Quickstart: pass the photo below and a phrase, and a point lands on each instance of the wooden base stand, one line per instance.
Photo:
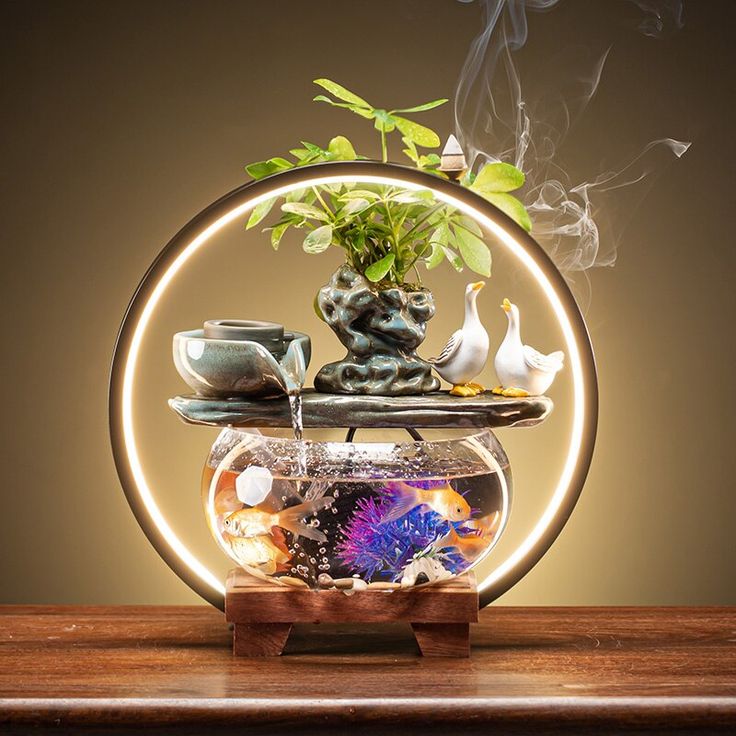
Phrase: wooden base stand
(263, 613)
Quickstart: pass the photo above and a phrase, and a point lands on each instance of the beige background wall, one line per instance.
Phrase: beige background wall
(120, 120)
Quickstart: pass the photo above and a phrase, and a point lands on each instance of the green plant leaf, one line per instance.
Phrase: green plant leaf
(260, 169)
(474, 251)
(357, 242)
(299, 153)
(277, 232)
(440, 234)
(422, 108)
(453, 258)
(410, 196)
(508, 204)
(304, 210)
(376, 271)
(329, 101)
(318, 240)
(431, 159)
(384, 121)
(419, 134)
(296, 195)
(410, 150)
(422, 249)
(332, 189)
(361, 194)
(354, 206)
(498, 177)
(259, 212)
(313, 148)
(438, 239)
(405, 197)
(469, 224)
(362, 111)
(341, 148)
(435, 257)
(341, 92)
(282, 163)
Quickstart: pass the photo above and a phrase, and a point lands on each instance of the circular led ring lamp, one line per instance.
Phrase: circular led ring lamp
(198, 232)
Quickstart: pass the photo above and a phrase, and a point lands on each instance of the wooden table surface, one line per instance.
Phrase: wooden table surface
(532, 670)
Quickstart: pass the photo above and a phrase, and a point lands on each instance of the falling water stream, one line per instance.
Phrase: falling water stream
(295, 404)
(297, 423)
(294, 368)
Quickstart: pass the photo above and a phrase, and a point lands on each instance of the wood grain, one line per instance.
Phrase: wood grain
(531, 670)
(248, 599)
(442, 640)
(440, 614)
(260, 640)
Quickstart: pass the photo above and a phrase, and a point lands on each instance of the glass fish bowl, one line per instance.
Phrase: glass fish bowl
(356, 515)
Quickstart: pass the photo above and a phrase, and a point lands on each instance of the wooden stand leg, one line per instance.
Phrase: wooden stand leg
(440, 615)
(260, 640)
(443, 640)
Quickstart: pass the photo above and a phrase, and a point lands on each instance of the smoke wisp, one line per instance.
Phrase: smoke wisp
(499, 118)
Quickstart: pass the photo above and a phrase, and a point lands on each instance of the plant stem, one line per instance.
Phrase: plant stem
(422, 220)
(395, 239)
(417, 256)
(322, 202)
(384, 153)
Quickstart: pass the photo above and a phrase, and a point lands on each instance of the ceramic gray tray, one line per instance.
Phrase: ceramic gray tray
(328, 411)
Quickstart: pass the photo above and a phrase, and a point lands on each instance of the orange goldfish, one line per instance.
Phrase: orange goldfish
(486, 526)
(227, 501)
(255, 522)
(445, 501)
(471, 546)
(258, 552)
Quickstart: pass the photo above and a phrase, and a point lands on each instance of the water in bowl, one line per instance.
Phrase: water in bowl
(351, 532)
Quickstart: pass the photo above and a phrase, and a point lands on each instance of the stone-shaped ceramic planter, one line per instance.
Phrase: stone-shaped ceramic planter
(381, 329)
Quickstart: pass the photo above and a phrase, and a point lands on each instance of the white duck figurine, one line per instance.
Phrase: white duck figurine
(522, 370)
(466, 352)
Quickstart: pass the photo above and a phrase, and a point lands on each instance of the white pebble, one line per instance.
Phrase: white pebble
(253, 485)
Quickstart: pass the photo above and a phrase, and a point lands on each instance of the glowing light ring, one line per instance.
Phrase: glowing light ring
(197, 232)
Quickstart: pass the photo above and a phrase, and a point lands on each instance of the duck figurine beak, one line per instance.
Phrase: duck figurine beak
(506, 305)
(478, 285)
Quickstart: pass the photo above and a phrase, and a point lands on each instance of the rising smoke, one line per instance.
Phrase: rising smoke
(497, 118)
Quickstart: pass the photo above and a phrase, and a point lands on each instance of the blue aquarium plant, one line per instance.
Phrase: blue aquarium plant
(374, 547)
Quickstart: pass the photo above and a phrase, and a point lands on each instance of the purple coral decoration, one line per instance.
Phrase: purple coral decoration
(373, 547)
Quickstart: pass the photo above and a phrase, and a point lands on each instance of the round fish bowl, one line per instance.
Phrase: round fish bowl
(353, 515)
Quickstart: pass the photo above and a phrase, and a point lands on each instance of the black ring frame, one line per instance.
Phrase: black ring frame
(356, 170)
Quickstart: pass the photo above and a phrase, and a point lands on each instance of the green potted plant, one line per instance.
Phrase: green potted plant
(375, 302)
